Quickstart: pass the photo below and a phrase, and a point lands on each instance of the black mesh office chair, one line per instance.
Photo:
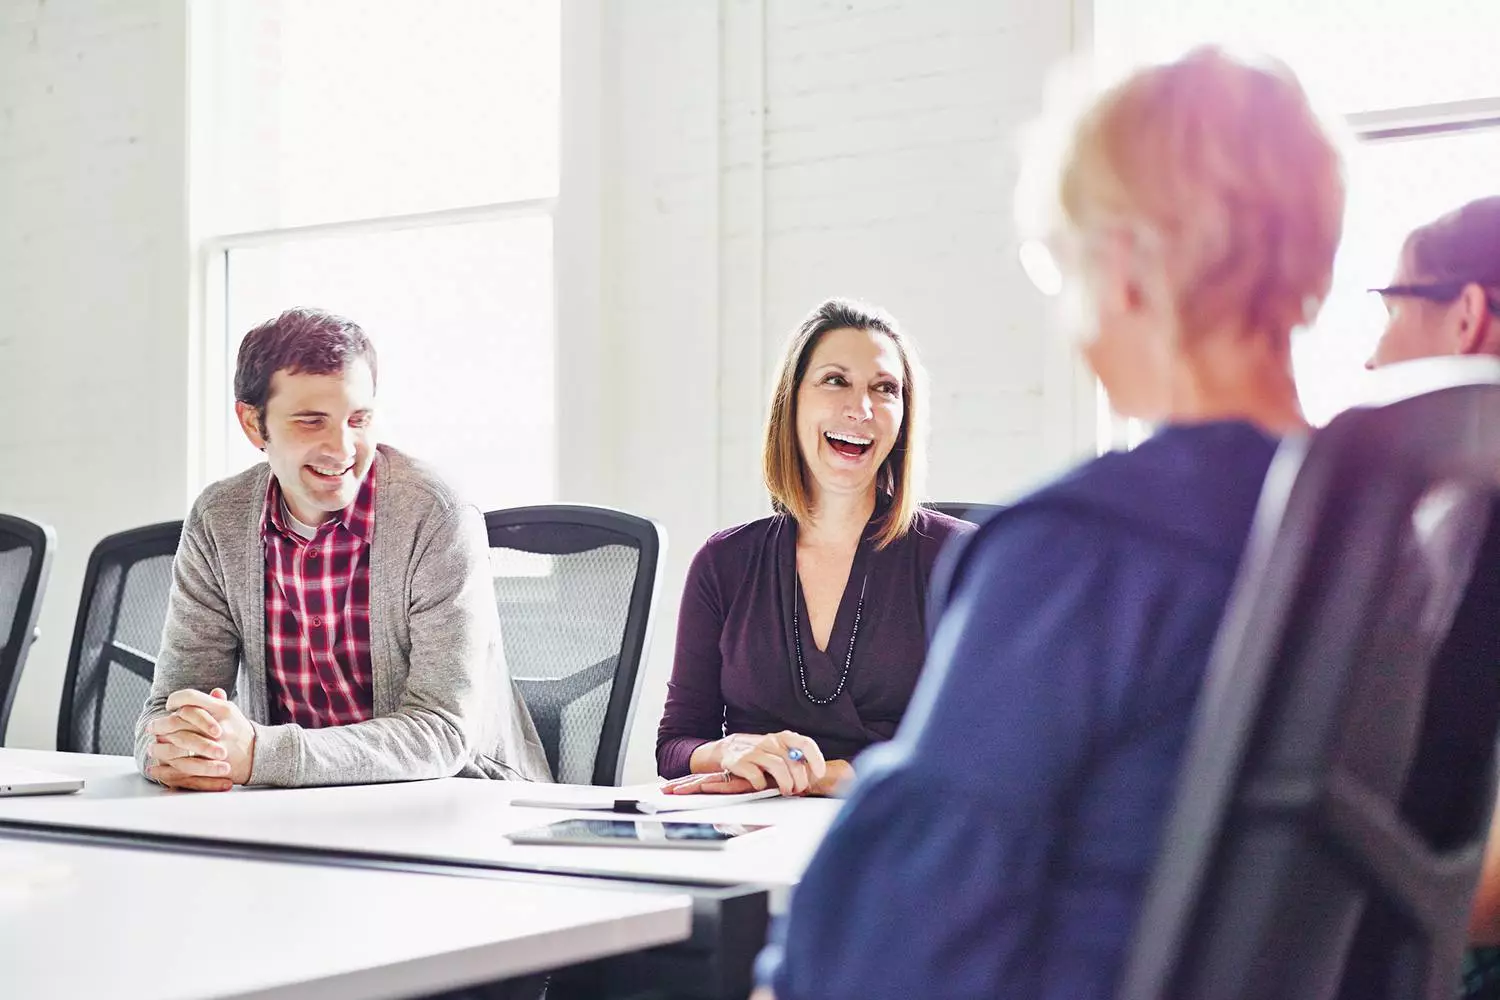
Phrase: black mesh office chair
(116, 639)
(25, 560)
(1337, 786)
(974, 513)
(575, 587)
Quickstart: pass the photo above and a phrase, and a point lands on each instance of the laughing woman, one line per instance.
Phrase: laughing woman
(801, 635)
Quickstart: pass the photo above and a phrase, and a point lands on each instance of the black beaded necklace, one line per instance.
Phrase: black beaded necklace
(859, 611)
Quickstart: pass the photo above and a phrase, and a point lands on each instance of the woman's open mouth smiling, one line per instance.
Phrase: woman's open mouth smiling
(852, 446)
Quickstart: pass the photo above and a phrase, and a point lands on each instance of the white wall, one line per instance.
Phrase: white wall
(757, 156)
(726, 165)
(93, 290)
(890, 166)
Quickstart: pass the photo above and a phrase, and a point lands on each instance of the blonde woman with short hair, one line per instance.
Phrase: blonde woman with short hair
(801, 634)
(999, 845)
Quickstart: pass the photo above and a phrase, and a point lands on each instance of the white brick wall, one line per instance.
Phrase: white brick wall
(93, 290)
(890, 164)
(659, 265)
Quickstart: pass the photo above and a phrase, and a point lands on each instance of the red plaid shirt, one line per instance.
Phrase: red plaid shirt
(318, 614)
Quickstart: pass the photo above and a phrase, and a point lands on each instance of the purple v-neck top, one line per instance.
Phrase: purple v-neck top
(735, 670)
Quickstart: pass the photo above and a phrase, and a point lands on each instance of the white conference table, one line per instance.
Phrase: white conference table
(451, 821)
(81, 920)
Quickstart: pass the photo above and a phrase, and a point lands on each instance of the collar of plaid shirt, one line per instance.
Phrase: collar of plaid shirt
(318, 662)
(358, 518)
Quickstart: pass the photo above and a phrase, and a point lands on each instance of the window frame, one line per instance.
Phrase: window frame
(210, 366)
(216, 419)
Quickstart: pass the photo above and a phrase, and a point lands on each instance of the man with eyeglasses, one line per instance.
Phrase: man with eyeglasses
(1445, 299)
(1445, 302)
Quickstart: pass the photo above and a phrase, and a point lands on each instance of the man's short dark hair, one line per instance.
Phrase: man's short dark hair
(300, 341)
(1462, 246)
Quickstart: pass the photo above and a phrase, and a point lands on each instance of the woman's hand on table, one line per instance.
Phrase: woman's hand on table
(747, 762)
(791, 762)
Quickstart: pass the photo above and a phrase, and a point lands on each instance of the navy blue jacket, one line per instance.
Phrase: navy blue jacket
(999, 845)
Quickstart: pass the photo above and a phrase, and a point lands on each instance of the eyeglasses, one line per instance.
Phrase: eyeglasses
(1438, 291)
(1046, 261)
(1040, 265)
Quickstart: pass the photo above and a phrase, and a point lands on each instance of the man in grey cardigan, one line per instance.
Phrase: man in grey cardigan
(340, 590)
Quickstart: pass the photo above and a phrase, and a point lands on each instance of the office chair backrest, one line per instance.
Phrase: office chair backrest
(116, 639)
(1337, 786)
(25, 561)
(575, 586)
(975, 513)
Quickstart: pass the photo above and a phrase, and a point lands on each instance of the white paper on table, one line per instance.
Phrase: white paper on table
(647, 799)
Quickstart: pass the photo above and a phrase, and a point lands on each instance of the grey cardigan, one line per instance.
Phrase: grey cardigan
(444, 700)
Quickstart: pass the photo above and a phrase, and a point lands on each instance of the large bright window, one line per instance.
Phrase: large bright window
(1420, 90)
(397, 164)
